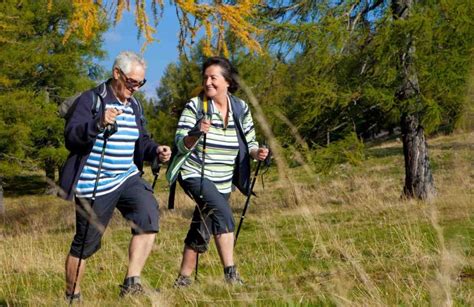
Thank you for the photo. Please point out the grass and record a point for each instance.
(345, 238)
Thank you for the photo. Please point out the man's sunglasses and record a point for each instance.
(131, 83)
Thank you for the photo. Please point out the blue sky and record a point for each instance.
(158, 54)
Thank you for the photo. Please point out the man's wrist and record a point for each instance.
(99, 127)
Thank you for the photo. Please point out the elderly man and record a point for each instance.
(107, 151)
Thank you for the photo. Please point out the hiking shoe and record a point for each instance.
(131, 286)
(133, 289)
(182, 281)
(73, 298)
(232, 277)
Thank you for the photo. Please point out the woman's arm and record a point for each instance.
(249, 130)
(187, 123)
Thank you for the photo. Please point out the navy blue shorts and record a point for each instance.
(212, 215)
(134, 199)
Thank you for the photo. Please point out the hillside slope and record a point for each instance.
(340, 239)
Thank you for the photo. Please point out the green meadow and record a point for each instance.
(341, 238)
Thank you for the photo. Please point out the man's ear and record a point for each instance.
(115, 74)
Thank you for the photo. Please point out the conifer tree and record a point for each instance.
(406, 62)
(344, 68)
(418, 177)
(214, 17)
(37, 72)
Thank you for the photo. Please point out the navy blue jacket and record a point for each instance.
(81, 132)
(241, 177)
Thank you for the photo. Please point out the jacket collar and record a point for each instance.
(105, 91)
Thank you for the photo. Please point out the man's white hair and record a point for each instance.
(126, 59)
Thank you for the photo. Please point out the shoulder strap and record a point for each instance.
(140, 109)
(171, 195)
(237, 108)
(139, 105)
(200, 108)
(96, 102)
(98, 95)
(203, 107)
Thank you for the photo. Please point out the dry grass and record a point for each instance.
(342, 239)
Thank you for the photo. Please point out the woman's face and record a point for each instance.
(214, 83)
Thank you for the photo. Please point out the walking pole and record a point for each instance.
(247, 202)
(205, 106)
(155, 169)
(200, 193)
(109, 130)
(202, 166)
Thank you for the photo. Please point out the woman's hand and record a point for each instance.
(194, 134)
(204, 125)
(259, 154)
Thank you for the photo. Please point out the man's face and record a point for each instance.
(128, 83)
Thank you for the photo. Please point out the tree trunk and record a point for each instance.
(50, 169)
(418, 178)
(2, 208)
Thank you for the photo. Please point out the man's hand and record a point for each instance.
(110, 116)
(164, 153)
(260, 153)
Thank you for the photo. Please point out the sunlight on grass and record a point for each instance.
(342, 239)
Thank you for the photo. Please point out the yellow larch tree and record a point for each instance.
(213, 17)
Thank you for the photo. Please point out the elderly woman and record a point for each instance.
(218, 129)
(107, 149)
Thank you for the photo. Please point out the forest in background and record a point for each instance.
(330, 85)
(327, 76)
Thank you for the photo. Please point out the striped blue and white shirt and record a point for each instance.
(222, 144)
(118, 162)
